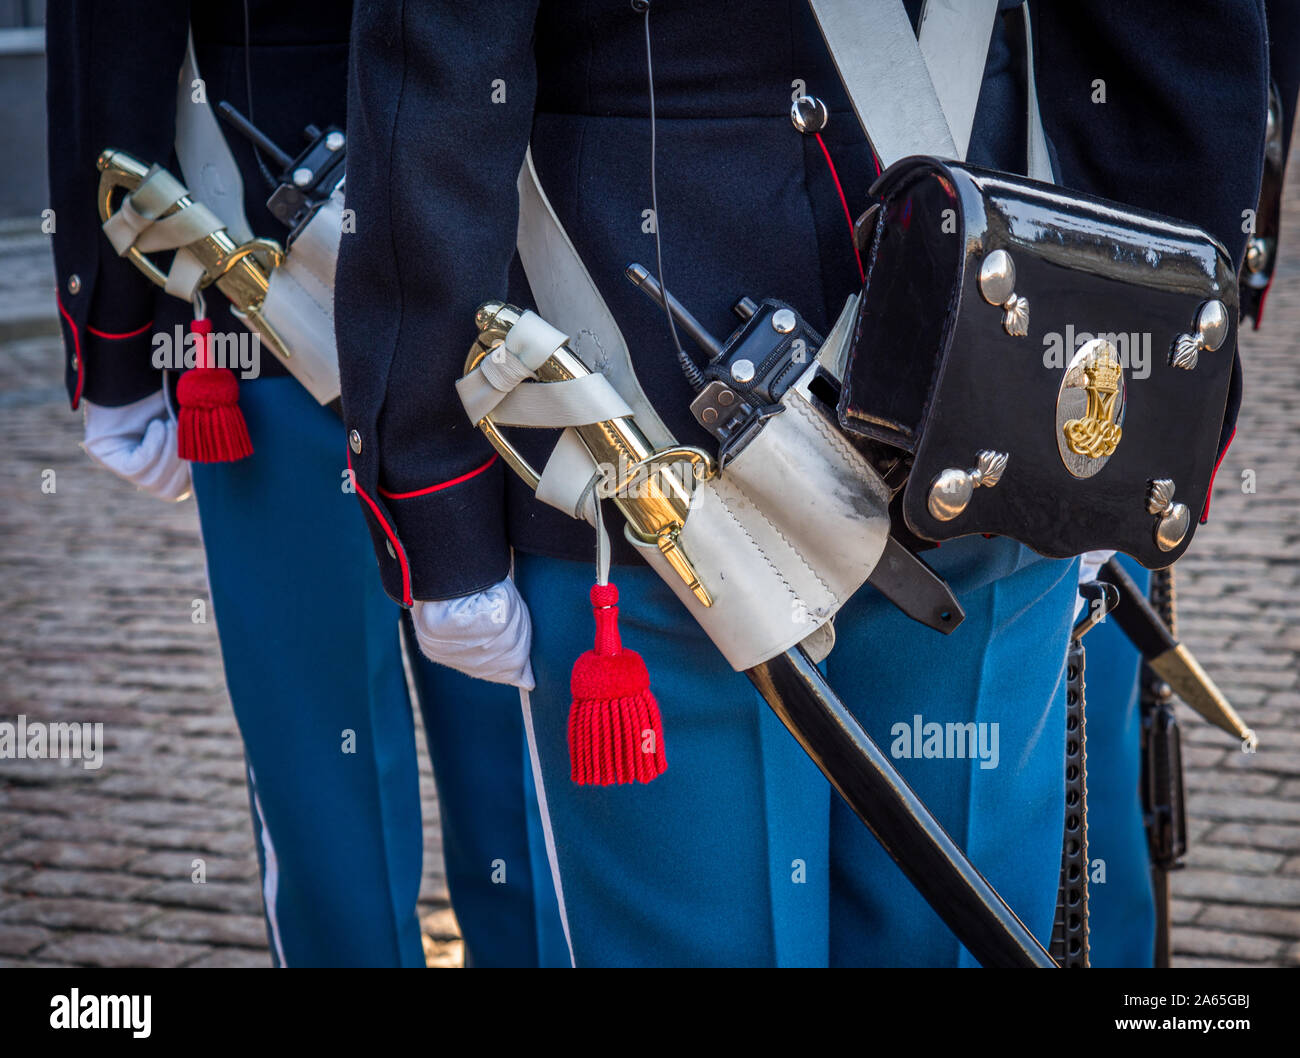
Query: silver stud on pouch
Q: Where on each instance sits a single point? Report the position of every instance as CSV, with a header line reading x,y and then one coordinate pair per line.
x,y
1211,329
951,491
1173,519
997,283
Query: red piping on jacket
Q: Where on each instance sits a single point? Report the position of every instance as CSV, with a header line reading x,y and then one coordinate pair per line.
x,y
388,531
1205,514
439,487
125,334
76,351
862,274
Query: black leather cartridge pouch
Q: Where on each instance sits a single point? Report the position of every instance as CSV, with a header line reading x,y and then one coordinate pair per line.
x,y
1056,365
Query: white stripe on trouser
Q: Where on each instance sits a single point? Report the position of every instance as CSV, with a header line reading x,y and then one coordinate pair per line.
x,y
271,876
525,703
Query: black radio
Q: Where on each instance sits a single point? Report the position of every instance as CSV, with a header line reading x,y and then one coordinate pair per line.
x,y
305,182
747,375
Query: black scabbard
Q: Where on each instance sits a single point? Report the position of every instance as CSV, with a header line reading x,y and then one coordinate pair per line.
x,y
1163,793
870,784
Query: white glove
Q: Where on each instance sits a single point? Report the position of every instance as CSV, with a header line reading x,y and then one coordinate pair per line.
x,y
487,635
137,442
1089,569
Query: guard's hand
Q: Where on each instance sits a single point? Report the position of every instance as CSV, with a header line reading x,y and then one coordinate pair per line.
x,y
487,635
137,442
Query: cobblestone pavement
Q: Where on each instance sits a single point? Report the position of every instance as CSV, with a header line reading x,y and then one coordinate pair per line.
x,y
1238,901
96,583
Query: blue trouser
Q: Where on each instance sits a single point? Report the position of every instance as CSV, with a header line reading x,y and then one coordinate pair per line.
x,y
313,662
740,854
1121,904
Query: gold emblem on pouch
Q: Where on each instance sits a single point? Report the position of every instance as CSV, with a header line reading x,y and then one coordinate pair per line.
x,y
1090,408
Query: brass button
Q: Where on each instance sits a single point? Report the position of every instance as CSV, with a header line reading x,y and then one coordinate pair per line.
x,y
75,361
74,284
354,442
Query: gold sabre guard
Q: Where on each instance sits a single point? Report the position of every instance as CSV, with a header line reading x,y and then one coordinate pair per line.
x,y
241,272
656,509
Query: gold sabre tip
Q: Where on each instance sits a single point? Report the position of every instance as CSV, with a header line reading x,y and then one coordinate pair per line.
x,y
1183,672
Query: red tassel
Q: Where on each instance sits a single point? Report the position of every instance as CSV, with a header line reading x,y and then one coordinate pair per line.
x,y
615,732
210,427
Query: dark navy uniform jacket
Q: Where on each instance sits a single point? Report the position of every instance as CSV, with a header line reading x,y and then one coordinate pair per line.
x,y
112,74
746,204
1284,62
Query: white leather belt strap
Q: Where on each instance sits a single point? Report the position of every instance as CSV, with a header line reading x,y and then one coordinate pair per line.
x,y
1040,159
954,41
525,349
299,303
489,390
886,76
209,169
567,296
577,402
129,228
918,95
569,479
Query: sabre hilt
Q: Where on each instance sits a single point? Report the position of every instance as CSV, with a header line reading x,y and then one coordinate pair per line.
x,y
241,271
644,482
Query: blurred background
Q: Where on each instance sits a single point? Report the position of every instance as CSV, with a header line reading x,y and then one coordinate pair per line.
x,y
97,584
22,107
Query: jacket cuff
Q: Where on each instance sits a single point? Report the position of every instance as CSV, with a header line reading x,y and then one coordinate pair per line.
x,y
441,541
108,368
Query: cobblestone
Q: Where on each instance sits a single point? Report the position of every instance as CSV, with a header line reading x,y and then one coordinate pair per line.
x,y
202,927
73,913
95,865
1195,941
102,949
1239,611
